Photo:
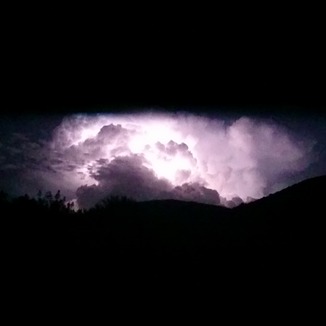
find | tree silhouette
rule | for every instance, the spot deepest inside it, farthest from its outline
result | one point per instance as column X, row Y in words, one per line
column 279, row 232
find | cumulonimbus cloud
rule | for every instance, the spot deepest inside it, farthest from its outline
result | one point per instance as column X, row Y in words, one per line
column 182, row 156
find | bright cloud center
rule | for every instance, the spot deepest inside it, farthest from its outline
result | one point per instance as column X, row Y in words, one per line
column 237, row 159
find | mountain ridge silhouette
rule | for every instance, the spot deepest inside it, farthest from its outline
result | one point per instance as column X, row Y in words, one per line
column 275, row 241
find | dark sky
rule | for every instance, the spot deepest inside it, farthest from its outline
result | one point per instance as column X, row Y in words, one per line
column 237, row 63
column 71, row 84
column 64, row 59
column 206, row 66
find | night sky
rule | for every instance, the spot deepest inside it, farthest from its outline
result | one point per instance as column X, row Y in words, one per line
column 216, row 124
column 184, row 102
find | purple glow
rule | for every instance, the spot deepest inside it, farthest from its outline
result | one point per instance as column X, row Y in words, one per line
column 183, row 156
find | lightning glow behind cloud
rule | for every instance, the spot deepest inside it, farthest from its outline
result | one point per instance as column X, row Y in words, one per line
column 176, row 154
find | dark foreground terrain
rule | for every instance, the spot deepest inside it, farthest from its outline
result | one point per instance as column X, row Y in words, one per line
column 276, row 244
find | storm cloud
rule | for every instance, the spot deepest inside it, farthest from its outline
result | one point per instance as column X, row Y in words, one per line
column 183, row 156
column 158, row 156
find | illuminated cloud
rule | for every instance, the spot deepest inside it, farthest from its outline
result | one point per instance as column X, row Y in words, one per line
column 155, row 156
column 181, row 156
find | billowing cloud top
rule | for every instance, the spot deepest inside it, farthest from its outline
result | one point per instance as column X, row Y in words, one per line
column 183, row 156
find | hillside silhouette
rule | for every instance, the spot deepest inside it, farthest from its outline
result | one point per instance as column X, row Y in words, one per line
column 276, row 240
